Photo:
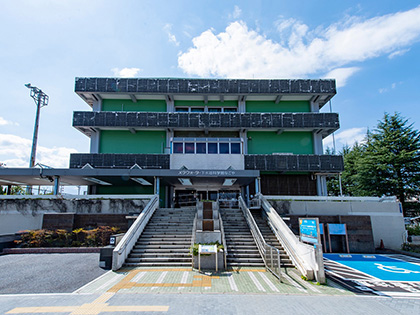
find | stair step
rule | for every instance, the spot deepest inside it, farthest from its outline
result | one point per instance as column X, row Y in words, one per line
column 154, row 264
column 159, row 259
column 160, row 250
column 160, row 255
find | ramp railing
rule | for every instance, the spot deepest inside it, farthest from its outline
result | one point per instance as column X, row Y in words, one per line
column 124, row 247
column 193, row 239
column 222, row 230
column 269, row 254
column 307, row 258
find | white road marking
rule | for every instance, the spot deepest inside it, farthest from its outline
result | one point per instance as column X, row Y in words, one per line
column 292, row 282
column 184, row 277
column 256, row 282
column 161, row 277
column 138, row 276
column 269, row 283
column 87, row 284
column 232, row 283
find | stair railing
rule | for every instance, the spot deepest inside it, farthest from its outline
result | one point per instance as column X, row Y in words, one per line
column 269, row 254
column 304, row 256
column 193, row 239
column 222, row 230
column 124, row 247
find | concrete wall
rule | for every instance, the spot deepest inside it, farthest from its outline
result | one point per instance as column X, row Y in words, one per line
column 386, row 218
column 13, row 221
column 26, row 212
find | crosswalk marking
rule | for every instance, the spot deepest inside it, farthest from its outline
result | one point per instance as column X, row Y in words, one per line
column 162, row 277
column 256, row 282
column 292, row 282
column 269, row 283
column 138, row 276
column 232, row 283
column 184, row 277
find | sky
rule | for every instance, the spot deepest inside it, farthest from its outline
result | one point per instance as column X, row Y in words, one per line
column 371, row 48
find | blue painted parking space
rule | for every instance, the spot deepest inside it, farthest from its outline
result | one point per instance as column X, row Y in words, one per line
column 389, row 275
column 379, row 266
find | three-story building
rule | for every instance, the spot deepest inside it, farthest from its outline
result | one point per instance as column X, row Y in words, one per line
column 207, row 138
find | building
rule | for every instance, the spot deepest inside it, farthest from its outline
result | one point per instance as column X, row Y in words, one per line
column 207, row 137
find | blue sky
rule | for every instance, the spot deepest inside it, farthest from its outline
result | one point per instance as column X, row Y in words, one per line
column 372, row 48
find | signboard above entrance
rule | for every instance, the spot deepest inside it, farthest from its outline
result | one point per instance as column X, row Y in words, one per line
column 206, row 173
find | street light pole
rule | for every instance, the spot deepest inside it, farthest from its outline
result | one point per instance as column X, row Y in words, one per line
column 41, row 100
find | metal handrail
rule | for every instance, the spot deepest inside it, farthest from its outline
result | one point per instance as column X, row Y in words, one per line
column 262, row 245
column 302, row 255
column 222, row 230
column 193, row 239
column 124, row 247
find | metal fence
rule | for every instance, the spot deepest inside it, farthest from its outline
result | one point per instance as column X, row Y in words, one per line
column 270, row 254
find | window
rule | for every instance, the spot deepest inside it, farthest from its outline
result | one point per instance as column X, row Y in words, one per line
column 215, row 110
column 224, row 148
column 178, row 148
column 230, row 110
column 181, row 109
column 212, row 148
column 197, row 109
column 200, row 148
column 189, row 147
column 235, row 148
column 206, row 145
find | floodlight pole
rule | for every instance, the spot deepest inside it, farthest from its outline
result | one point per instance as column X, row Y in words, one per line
column 41, row 100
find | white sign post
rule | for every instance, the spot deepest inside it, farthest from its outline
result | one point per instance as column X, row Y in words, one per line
column 206, row 249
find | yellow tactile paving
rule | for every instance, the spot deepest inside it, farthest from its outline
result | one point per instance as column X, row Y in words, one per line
column 96, row 307
column 126, row 283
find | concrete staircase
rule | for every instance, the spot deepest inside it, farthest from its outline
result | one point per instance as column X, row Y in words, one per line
column 166, row 240
column 271, row 239
column 241, row 247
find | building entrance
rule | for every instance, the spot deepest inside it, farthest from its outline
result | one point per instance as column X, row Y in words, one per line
column 188, row 198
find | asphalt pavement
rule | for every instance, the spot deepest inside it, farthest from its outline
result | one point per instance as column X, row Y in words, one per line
column 47, row 273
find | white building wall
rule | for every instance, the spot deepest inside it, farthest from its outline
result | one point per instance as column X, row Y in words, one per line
column 207, row 161
column 386, row 218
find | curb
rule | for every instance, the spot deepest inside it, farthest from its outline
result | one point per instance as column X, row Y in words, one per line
column 51, row 250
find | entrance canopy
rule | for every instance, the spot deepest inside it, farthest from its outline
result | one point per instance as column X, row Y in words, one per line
column 121, row 177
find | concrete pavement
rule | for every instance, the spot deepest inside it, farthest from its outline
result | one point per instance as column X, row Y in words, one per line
column 47, row 273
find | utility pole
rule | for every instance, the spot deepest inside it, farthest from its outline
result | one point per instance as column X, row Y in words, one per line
column 41, row 100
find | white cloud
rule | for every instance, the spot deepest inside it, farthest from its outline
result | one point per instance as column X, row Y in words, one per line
column 244, row 53
column 236, row 13
column 15, row 152
column 126, row 72
column 386, row 89
column 4, row 122
column 341, row 75
column 398, row 53
column 172, row 38
column 346, row 137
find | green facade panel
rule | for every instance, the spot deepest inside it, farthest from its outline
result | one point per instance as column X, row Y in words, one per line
column 202, row 104
column 129, row 106
column 123, row 141
column 281, row 107
column 268, row 142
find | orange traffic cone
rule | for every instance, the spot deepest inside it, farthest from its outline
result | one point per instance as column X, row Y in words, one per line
column 382, row 245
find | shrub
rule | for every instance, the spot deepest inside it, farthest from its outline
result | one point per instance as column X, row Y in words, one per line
column 413, row 229
column 61, row 238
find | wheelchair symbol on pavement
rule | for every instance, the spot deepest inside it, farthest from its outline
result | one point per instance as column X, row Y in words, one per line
column 394, row 269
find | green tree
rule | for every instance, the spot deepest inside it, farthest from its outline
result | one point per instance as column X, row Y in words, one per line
column 349, row 177
column 390, row 164
column 387, row 163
